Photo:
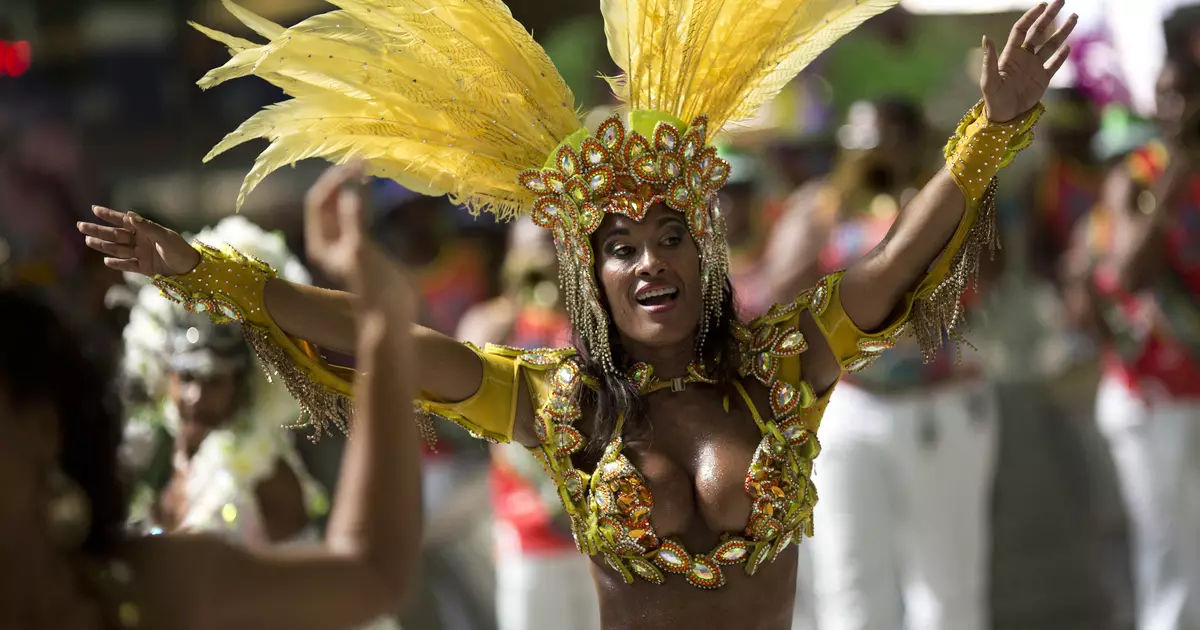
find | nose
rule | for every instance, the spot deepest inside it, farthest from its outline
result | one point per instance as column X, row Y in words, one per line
column 650, row 264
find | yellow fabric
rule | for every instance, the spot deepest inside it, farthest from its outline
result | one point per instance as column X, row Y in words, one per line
column 445, row 97
column 229, row 286
column 980, row 148
column 491, row 411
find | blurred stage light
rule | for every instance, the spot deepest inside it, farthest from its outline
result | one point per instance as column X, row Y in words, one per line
column 15, row 58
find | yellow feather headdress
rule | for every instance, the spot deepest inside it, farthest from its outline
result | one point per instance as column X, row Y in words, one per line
column 444, row 97
column 454, row 97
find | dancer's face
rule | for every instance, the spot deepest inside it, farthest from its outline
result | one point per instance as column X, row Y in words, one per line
column 649, row 275
column 204, row 402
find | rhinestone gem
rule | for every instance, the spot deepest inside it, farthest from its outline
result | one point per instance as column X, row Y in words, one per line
column 874, row 345
column 731, row 552
column 646, row 571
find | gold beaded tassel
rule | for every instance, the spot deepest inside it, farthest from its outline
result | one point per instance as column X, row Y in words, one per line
column 581, row 297
column 941, row 310
column 319, row 406
column 977, row 151
column 714, row 271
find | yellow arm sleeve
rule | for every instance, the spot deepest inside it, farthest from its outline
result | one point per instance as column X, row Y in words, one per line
column 491, row 411
column 228, row 286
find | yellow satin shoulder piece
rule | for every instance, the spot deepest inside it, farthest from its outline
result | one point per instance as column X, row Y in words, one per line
column 491, row 411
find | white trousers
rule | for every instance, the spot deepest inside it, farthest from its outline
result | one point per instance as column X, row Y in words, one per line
column 543, row 591
column 1156, row 451
column 901, row 528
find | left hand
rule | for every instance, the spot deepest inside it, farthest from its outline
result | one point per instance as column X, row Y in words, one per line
column 1014, row 81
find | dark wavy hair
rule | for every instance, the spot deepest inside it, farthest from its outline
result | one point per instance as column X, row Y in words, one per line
column 615, row 395
column 42, row 361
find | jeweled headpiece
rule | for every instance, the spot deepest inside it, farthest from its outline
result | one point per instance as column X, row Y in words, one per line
column 454, row 97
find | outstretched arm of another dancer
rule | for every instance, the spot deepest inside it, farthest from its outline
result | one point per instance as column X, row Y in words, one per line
column 921, row 267
column 363, row 569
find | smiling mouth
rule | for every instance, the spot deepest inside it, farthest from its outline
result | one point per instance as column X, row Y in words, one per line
column 661, row 296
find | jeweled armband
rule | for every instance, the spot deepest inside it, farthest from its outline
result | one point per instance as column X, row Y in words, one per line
column 229, row 286
column 980, row 148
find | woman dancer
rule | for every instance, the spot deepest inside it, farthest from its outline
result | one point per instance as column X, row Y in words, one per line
column 70, row 566
column 1147, row 287
column 681, row 440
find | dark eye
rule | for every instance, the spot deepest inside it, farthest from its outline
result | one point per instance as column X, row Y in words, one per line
column 620, row 251
column 672, row 241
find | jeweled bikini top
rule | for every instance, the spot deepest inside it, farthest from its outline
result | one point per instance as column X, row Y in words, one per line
column 610, row 507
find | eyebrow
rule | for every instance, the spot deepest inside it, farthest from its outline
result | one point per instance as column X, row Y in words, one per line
column 663, row 220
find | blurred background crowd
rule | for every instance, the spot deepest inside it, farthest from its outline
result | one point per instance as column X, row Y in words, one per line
column 1078, row 503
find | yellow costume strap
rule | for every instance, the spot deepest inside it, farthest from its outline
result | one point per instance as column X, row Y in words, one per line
column 228, row 286
column 491, row 411
column 854, row 349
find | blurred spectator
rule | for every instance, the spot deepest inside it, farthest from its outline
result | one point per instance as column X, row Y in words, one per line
column 1148, row 407
column 417, row 229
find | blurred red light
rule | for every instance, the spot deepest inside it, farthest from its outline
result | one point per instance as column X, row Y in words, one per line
column 16, row 57
column 3, row 56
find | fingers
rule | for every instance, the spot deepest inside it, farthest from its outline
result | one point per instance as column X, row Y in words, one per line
column 113, row 235
column 350, row 210
column 1036, row 34
column 1016, row 37
column 1058, row 60
column 330, row 182
column 122, row 264
column 320, row 203
column 1056, row 41
column 991, row 64
column 111, row 249
column 108, row 215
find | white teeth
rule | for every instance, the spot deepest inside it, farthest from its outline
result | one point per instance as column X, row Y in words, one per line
column 657, row 292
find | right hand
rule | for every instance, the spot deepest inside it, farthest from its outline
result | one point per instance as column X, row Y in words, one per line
column 334, row 236
column 137, row 245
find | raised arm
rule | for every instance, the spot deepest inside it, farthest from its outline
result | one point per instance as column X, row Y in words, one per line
column 363, row 569
column 937, row 235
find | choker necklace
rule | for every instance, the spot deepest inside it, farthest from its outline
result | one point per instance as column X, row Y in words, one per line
column 642, row 377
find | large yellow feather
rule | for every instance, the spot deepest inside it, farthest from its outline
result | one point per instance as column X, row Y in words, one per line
column 723, row 58
column 445, row 96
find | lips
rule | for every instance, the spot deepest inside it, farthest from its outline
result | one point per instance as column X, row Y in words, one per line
column 656, row 297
